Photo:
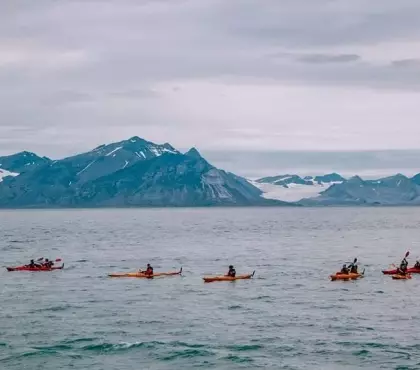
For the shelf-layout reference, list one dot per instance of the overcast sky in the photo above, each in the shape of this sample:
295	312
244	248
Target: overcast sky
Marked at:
253	75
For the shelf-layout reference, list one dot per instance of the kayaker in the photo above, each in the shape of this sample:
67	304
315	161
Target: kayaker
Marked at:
404	264
353	268
149	270
417	265
32	264
344	270
231	272
48	263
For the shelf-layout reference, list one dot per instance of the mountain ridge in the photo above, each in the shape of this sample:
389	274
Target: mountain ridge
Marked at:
132	173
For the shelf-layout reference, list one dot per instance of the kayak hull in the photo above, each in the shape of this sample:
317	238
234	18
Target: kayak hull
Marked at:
25	268
144	276
211	279
401	277
345	277
411	270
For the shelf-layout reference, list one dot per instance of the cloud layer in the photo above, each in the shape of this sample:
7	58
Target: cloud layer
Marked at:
220	75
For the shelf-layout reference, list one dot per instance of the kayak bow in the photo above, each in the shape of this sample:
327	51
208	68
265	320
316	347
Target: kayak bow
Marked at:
34	269
210	279
143	275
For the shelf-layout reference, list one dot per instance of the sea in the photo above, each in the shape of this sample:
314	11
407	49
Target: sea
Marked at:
289	316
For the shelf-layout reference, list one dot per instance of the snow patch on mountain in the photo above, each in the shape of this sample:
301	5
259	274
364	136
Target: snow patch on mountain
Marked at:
291	193
5	173
293	188
113	151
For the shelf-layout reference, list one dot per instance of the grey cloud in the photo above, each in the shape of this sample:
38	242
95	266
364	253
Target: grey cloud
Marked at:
67	97
328	58
406	63
91	70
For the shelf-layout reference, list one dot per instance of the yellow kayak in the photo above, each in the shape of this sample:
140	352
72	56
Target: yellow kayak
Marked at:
143	275
210	279
346	277
401	277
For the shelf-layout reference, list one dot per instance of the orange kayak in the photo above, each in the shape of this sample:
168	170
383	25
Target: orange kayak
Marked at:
401	277
143	275
210	279
346	277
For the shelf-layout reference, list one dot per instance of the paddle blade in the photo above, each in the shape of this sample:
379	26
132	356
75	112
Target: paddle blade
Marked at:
58	260
407	254
40	259
355	260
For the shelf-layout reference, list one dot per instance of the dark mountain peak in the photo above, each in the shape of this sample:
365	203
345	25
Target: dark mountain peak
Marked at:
416	179
22	161
355	179
193	152
330	177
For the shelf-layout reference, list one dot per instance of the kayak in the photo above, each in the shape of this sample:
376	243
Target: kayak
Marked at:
401	277
143	275
346	277
210	279
411	270
27	268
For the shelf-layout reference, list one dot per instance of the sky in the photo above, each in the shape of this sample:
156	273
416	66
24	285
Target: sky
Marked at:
224	76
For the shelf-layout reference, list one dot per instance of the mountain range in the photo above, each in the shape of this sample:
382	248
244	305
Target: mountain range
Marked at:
133	172
138	173
333	189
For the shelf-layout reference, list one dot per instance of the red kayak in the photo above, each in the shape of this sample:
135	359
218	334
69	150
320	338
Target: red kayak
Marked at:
412	270
27	268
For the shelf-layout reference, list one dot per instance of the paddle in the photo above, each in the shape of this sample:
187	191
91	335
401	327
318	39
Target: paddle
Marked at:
253	274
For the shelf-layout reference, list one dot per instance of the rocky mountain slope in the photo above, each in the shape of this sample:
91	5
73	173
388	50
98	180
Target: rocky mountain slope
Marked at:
393	190
133	172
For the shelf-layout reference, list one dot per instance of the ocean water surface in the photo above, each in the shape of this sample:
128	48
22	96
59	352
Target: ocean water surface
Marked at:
290	316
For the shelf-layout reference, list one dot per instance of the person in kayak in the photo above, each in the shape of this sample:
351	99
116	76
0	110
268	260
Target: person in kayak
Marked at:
403	265
353	268
33	265
417	265
149	270
48	263
344	270
231	272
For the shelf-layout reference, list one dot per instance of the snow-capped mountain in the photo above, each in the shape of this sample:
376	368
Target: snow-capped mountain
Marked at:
106	159
292	188
22	162
134	172
392	190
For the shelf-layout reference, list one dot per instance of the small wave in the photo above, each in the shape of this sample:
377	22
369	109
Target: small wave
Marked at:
261	297
187	353
362	352
184	344
124	346
54	348
238	359
53	309
234	307
245	347
79	340
80	261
